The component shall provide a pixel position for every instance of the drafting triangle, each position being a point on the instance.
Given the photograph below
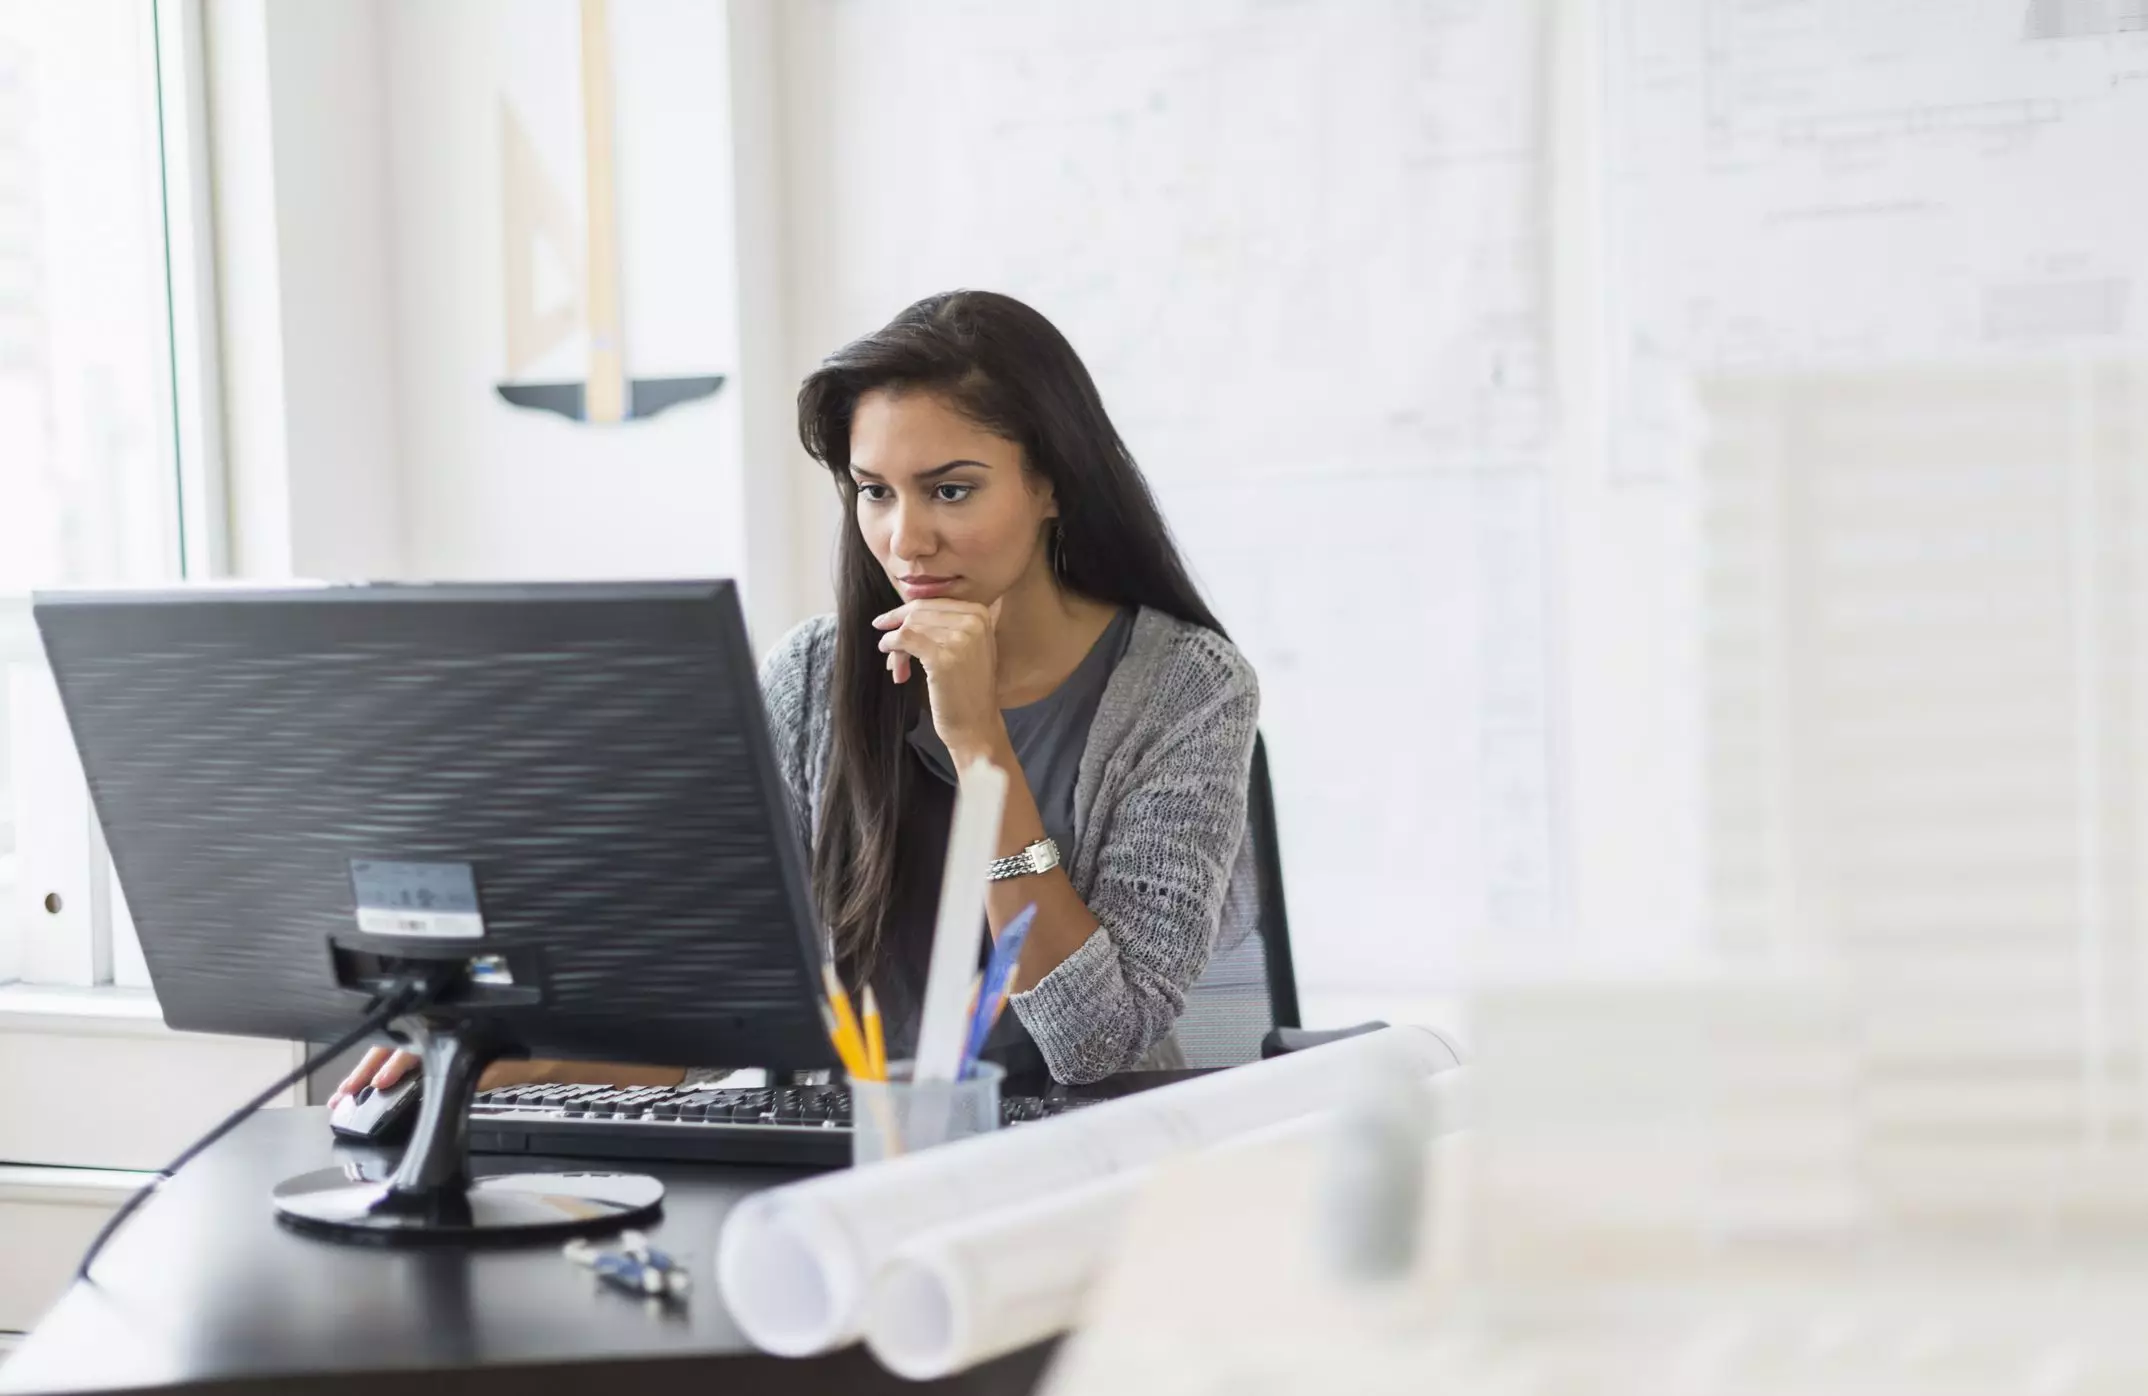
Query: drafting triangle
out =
(542, 255)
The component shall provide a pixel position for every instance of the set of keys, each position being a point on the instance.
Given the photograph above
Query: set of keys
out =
(635, 1266)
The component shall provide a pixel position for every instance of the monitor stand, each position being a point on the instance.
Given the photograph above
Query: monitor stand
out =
(432, 1196)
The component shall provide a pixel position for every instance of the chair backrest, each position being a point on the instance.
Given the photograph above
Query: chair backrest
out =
(1249, 985)
(1274, 915)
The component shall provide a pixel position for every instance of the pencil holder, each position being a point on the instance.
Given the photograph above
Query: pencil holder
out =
(901, 1116)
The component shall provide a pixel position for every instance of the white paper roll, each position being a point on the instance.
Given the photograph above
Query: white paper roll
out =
(797, 1263)
(957, 1295)
(961, 1294)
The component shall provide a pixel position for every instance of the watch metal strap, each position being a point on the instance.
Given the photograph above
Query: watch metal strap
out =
(1040, 857)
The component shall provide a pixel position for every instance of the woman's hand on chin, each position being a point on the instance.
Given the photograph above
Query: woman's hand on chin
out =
(953, 640)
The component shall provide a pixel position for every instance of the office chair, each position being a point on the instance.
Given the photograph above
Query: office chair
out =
(1249, 986)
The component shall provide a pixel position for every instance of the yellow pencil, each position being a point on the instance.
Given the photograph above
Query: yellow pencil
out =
(876, 1045)
(849, 1044)
(852, 1065)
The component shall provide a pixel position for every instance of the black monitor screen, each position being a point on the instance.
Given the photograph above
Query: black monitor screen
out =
(574, 782)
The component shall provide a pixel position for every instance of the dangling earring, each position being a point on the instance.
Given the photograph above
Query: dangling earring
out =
(1058, 547)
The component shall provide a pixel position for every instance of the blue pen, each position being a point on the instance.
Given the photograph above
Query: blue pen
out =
(1006, 954)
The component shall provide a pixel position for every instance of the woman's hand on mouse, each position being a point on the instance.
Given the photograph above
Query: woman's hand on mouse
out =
(380, 1068)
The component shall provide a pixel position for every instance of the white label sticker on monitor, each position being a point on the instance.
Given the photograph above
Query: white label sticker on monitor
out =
(433, 901)
(438, 925)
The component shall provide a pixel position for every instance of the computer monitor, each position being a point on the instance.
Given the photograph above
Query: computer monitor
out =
(558, 801)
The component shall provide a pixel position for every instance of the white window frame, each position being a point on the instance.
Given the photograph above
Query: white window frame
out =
(190, 252)
(92, 941)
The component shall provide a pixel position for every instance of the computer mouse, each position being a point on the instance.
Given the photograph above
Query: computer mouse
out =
(377, 1116)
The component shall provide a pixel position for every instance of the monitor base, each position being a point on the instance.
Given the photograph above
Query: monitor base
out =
(432, 1196)
(509, 1206)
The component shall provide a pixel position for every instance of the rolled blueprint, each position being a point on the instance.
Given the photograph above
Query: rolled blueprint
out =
(797, 1264)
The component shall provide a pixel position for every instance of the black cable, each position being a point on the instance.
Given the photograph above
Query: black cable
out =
(397, 1001)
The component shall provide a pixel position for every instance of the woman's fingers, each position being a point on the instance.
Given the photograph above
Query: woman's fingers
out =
(915, 642)
(395, 1069)
(944, 628)
(930, 632)
(362, 1074)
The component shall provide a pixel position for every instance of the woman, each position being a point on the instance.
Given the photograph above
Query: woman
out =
(1009, 593)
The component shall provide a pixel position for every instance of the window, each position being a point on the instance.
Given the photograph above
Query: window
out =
(94, 117)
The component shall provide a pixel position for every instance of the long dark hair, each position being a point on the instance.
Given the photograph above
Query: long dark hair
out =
(1006, 368)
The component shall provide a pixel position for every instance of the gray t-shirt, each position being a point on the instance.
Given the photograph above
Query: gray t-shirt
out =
(1049, 734)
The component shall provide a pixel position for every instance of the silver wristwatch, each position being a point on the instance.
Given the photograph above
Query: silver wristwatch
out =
(1040, 857)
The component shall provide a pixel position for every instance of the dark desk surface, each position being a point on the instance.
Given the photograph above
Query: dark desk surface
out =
(203, 1290)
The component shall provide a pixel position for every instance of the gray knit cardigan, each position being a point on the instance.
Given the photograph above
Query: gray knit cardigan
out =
(1159, 830)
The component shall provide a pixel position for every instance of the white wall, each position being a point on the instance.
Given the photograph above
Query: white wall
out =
(359, 214)
(784, 582)
(492, 491)
(305, 277)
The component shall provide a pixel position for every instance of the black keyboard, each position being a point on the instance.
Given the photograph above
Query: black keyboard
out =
(795, 1126)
